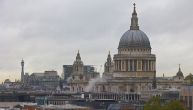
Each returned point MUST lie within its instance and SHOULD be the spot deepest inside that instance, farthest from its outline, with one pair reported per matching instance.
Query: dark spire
(61, 84)
(22, 70)
(78, 55)
(134, 9)
(179, 73)
(154, 86)
(22, 62)
(109, 57)
(134, 19)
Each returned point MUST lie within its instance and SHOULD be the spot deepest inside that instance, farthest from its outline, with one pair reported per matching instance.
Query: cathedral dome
(134, 38)
(179, 73)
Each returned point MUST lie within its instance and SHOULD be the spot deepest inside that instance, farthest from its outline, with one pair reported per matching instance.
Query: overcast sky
(48, 33)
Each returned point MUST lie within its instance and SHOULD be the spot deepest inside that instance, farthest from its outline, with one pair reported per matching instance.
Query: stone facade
(133, 69)
(79, 81)
(108, 67)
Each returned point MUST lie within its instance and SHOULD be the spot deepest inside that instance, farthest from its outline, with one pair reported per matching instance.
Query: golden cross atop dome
(179, 65)
(78, 51)
(109, 52)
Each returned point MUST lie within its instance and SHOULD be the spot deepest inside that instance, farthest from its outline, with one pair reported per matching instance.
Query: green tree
(18, 106)
(174, 105)
(189, 77)
(154, 103)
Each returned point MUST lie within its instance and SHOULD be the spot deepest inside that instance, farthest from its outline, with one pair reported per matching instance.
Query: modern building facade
(68, 70)
(186, 96)
(48, 79)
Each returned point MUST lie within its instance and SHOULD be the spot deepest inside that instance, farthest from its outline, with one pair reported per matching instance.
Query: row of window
(135, 50)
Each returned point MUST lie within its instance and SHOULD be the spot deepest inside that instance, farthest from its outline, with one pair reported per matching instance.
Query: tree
(18, 106)
(189, 77)
(154, 103)
(174, 105)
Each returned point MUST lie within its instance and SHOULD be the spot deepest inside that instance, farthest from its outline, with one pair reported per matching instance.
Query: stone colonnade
(57, 102)
(116, 96)
(77, 88)
(134, 65)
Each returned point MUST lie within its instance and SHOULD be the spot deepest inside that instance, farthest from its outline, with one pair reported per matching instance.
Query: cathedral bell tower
(78, 78)
(78, 65)
(108, 67)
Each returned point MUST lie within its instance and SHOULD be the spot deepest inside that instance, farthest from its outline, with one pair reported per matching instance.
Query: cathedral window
(81, 77)
(139, 64)
(123, 65)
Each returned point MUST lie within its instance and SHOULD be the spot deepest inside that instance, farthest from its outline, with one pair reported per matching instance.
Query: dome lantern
(134, 20)
(179, 73)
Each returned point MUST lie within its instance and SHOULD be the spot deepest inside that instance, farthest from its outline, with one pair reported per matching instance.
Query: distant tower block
(22, 71)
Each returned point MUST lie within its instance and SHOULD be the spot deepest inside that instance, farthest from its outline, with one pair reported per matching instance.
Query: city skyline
(48, 35)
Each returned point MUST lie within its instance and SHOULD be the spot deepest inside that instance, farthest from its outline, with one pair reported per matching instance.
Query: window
(123, 65)
(139, 64)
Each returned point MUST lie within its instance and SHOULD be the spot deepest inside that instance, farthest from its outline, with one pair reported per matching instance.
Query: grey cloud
(47, 34)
